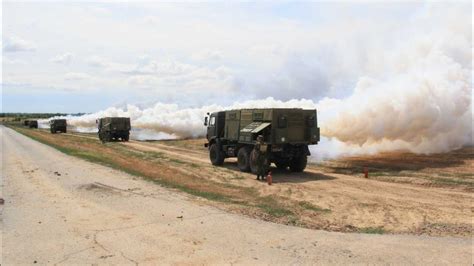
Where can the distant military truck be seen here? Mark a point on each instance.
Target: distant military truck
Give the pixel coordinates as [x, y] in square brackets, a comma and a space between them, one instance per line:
[58, 125]
[32, 123]
[286, 133]
[25, 123]
[114, 128]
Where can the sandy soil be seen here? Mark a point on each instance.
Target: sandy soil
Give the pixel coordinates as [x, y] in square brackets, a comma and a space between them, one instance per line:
[396, 203]
[59, 209]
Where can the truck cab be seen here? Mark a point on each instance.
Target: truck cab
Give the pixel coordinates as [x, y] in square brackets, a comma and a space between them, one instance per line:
[215, 126]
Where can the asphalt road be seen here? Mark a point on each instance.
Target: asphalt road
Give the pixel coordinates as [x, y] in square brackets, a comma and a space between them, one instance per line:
[60, 209]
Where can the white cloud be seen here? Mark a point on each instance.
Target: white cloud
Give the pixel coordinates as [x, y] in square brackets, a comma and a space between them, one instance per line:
[8, 61]
[151, 21]
[176, 77]
[208, 55]
[15, 44]
[65, 58]
[96, 61]
[74, 76]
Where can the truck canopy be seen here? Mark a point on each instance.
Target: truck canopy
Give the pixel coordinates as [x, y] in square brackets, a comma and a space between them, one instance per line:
[278, 125]
[115, 123]
[58, 122]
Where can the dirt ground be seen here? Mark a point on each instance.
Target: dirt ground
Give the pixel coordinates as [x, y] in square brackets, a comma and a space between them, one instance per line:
[63, 210]
[404, 194]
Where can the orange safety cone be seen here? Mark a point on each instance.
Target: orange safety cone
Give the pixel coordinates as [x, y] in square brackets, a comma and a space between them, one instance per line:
[269, 178]
[366, 172]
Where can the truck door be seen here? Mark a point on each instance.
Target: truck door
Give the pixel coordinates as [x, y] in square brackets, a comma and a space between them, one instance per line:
[211, 128]
[220, 123]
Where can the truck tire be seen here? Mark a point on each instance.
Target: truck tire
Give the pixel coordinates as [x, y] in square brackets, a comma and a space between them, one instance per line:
[282, 165]
[108, 137]
[126, 137]
[298, 164]
[105, 137]
[216, 155]
[253, 161]
[243, 159]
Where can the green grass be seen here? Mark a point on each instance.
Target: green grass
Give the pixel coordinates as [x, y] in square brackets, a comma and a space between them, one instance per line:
[177, 161]
[214, 196]
[460, 179]
[309, 206]
[459, 175]
[383, 174]
[271, 206]
[449, 181]
[372, 230]
[193, 165]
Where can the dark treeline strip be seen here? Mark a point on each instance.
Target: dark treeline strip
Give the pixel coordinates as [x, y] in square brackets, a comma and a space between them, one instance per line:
[35, 115]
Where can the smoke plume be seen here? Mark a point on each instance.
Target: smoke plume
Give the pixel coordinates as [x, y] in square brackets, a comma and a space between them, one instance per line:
[414, 94]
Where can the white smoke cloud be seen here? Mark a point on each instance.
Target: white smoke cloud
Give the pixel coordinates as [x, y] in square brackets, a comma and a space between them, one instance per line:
[171, 120]
[414, 94]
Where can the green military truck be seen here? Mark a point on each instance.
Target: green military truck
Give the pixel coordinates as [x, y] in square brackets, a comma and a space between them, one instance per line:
[114, 128]
[58, 125]
[286, 132]
[32, 123]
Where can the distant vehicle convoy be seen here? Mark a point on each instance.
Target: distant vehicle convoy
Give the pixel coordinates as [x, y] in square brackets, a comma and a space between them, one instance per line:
[114, 128]
[286, 132]
[286, 135]
[31, 123]
[109, 128]
[58, 125]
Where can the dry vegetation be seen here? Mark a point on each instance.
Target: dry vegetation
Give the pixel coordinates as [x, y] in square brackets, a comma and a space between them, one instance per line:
[405, 193]
[453, 169]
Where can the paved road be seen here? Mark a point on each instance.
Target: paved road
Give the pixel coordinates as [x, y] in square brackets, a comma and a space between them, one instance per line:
[59, 209]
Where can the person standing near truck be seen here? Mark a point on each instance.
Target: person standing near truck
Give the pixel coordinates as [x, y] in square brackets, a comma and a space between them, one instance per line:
[261, 160]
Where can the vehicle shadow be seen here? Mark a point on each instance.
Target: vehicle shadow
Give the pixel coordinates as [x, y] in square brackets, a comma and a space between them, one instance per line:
[286, 176]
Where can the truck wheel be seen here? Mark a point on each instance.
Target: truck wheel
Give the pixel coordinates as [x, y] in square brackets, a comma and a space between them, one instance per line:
[107, 137]
[216, 155]
[282, 165]
[101, 138]
[126, 137]
[298, 164]
[243, 159]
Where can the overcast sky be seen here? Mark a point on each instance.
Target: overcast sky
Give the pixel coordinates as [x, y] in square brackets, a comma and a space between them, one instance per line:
[85, 57]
